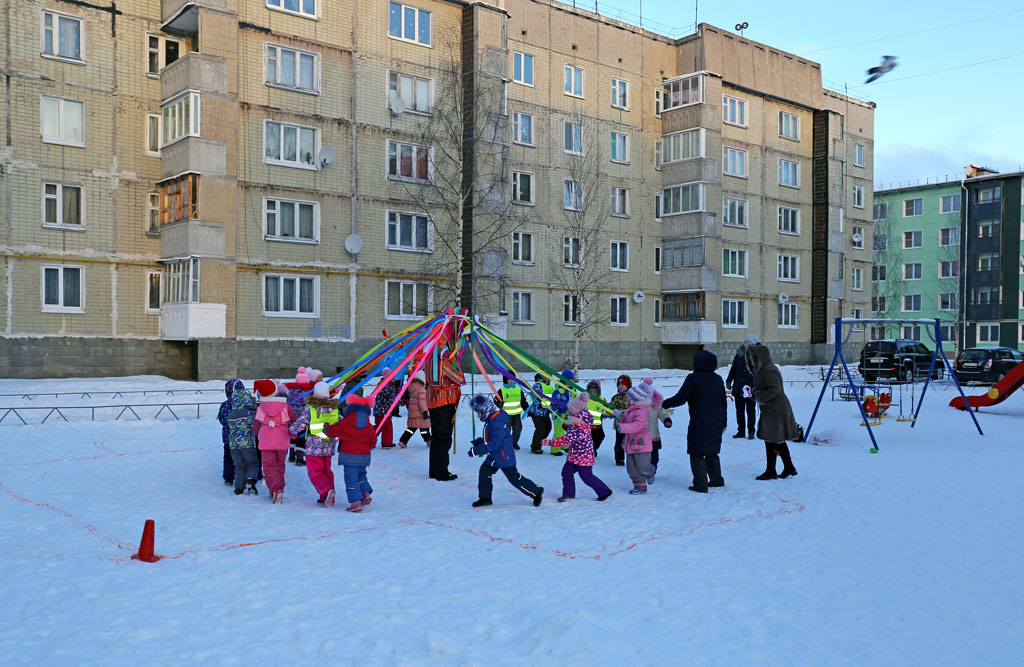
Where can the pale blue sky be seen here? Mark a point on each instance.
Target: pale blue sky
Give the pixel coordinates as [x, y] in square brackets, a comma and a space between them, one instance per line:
[929, 125]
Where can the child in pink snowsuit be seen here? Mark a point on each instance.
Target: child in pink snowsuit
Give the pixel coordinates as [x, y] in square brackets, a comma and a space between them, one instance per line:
[637, 437]
[271, 426]
[580, 442]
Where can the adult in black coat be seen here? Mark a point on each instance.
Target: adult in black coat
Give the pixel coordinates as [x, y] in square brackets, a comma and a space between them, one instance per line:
[741, 381]
[704, 391]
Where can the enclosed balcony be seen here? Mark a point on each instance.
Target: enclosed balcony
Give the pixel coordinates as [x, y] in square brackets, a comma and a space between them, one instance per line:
[189, 321]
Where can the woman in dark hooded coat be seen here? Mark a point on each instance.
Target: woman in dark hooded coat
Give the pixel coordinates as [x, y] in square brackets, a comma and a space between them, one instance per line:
[777, 423]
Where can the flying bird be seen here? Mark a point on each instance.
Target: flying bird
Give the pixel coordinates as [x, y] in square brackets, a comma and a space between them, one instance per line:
[888, 62]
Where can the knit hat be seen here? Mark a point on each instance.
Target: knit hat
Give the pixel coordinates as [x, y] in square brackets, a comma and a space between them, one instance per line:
[421, 376]
[315, 374]
[642, 392]
[751, 339]
[384, 372]
[569, 375]
[265, 387]
[301, 376]
[482, 403]
[578, 404]
[321, 390]
[624, 379]
[361, 407]
[656, 398]
[594, 386]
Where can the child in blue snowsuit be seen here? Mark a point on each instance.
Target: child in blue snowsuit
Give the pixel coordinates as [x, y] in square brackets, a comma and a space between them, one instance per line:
[560, 407]
[496, 446]
[236, 416]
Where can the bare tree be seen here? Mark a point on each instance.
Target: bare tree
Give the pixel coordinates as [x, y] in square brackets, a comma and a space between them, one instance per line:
[887, 272]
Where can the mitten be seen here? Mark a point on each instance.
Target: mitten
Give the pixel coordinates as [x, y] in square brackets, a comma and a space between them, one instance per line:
[426, 414]
[617, 414]
[747, 392]
[668, 422]
[479, 448]
[545, 443]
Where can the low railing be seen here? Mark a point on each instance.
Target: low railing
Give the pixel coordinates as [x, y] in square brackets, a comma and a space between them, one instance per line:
[19, 413]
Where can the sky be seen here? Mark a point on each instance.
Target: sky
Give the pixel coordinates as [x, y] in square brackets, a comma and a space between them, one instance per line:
[931, 120]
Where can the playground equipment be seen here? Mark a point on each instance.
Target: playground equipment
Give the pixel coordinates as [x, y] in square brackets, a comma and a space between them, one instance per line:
[997, 394]
[935, 330]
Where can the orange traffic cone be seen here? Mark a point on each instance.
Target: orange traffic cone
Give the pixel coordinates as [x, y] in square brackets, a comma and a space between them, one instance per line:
[146, 554]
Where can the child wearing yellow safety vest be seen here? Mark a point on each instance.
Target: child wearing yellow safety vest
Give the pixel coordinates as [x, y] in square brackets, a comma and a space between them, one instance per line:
[320, 412]
[512, 400]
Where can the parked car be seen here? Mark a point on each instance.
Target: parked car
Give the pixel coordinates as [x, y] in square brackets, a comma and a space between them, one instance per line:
[985, 364]
[900, 359]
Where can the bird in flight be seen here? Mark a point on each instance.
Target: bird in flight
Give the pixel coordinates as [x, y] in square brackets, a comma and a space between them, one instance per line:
[888, 62]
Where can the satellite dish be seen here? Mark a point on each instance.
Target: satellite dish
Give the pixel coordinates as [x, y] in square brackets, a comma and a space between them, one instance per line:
[783, 298]
[638, 297]
[396, 104]
[856, 238]
[353, 243]
[325, 156]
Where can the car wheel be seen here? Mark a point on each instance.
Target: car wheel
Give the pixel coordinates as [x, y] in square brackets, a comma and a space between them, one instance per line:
[868, 377]
[908, 374]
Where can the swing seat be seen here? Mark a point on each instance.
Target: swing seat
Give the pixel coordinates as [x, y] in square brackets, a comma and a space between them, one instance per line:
[906, 419]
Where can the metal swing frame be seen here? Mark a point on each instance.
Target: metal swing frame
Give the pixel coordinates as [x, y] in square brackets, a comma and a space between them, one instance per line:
[838, 356]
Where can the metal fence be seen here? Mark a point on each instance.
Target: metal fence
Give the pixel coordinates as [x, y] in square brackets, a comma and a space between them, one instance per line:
[177, 411]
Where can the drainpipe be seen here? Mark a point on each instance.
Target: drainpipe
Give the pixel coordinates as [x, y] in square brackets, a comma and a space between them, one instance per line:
[965, 207]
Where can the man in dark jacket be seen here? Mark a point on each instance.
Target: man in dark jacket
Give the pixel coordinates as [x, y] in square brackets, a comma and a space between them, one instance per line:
[704, 390]
[741, 381]
[496, 446]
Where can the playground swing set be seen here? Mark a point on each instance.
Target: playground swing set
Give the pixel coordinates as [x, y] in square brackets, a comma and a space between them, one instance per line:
[871, 401]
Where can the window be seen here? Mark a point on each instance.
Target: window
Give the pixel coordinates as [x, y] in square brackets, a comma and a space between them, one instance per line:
[522, 187]
[294, 146]
[912, 239]
[572, 252]
[734, 111]
[683, 306]
[878, 304]
[62, 36]
[858, 196]
[734, 313]
[153, 292]
[179, 199]
[152, 212]
[857, 279]
[879, 242]
[407, 300]
[63, 205]
[878, 273]
[789, 220]
[410, 231]
[285, 220]
[522, 128]
[858, 155]
[408, 24]
[856, 315]
[154, 123]
[910, 331]
[686, 198]
[620, 93]
[912, 271]
[291, 296]
[878, 331]
[161, 51]
[620, 202]
[949, 203]
[789, 126]
[571, 310]
[789, 268]
[682, 145]
[620, 256]
[988, 333]
[62, 289]
[911, 208]
[657, 259]
[573, 81]
[734, 263]
[62, 121]
[409, 162]
[734, 162]
[683, 92]
[522, 307]
[301, 7]
[983, 296]
[657, 101]
[948, 333]
[181, 280]
[911, 303]
[181, 117]
[988, 195]
[857, 238]
[988, 229]
[949, 236]
[734, 212]
[988, 261]
[289, 68]
[947, 301]
[410, 93]
[789, 173]
[573, 138]
[572, 196]
[684, 252]
[620, 147]
[522, 248]
[789, 316]
[620, 311]
[949, 268]
[657, 208]
[657, 313]
[522, 68]
[881, 211]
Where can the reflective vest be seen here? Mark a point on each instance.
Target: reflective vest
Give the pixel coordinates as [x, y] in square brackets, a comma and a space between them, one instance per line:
[547, 390]
[595, 411]
[512, 398]
[318, 422]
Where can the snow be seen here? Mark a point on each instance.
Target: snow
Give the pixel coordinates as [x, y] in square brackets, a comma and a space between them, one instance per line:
[908, 556]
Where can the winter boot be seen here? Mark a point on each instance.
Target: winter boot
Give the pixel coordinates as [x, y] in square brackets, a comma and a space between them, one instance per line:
[539, 497]
[694, 488]
[788, 470]
[229, 482]
[291, 455]
[637, 490]
[367, 499]
[563, 499]
[329, 500]
[605, 496]
[482, 502]
[250, 487]
[769, 469]
[300, 460]
[355, 507]
[737, 434]
[238, 492]
[277, 497]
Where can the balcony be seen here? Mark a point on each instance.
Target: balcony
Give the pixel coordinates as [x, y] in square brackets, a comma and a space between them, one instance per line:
[194, 71]
[189, 321]
[194, 155]
[181, 17]
[186, 238]
[689, 332]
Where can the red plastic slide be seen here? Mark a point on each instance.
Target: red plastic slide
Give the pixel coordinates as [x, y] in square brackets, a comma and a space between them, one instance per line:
[998, 393]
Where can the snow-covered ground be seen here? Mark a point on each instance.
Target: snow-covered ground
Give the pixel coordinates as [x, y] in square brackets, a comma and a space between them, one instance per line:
[908, 556]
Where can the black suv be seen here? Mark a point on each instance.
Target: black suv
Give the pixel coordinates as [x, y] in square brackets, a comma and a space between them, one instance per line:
[985, 364]
[900, 359]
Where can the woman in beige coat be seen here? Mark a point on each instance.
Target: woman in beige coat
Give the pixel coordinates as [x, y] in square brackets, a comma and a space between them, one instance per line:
[419, 417]
[777, 423]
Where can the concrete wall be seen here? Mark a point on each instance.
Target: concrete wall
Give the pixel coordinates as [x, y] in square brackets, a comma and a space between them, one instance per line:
[87, 356]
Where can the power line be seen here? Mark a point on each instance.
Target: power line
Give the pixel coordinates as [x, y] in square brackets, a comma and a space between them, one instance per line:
[939, 71]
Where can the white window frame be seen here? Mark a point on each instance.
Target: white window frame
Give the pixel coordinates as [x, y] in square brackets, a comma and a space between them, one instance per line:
[398, 151]
[880, 207]
[909, 268]
[952, 234]
[669, 96]
[572, 194]
[879, 273]
[411, 106]
[151, 211]
[857, 279]
[878, 303]
[281, 278]
[415, 39]
[788, 268]
[788, 316]
[988, 261]
[658, 95]
[517, 307]
[523, 59]
[619, 306]
[160, 292]
[949, 298]
[916, 235]
[658, 212]
[401, 299]
[784, 172]
[517, 182]
[918, 207]
[517, 249]
[278, 59]
[161, 52]
[572, 301]
[793, 220]
[953, 265]
[572, 76]
[174, 118]
[740, 162]
[620, 88]
[60, 139]
[59, 198]
[578, 251]
[879, 242]
[616, 253]
[517, 128]
[734, 111]
[734, 313]
[668, 198]
[791, 121]
[857, 230]
[619, 207]
[951, 198]
[278, 203]
[657, 312]
[858, 196]
[60, 307]
[150, 117]
[856, 314]
[397, 245]
[734, 259]
[989, 328]
[618, 138]
[733, 209]
[294, 164]
[182, 278]
[672, 145]
[912, 297]
[569, 126]
[658, 259]
[858, 155]
[55, 37]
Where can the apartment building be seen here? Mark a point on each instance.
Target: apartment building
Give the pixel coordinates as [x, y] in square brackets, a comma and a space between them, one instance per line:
[212, 187]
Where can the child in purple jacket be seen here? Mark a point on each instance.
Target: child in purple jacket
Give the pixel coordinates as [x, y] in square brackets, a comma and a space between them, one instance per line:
[580, 442]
